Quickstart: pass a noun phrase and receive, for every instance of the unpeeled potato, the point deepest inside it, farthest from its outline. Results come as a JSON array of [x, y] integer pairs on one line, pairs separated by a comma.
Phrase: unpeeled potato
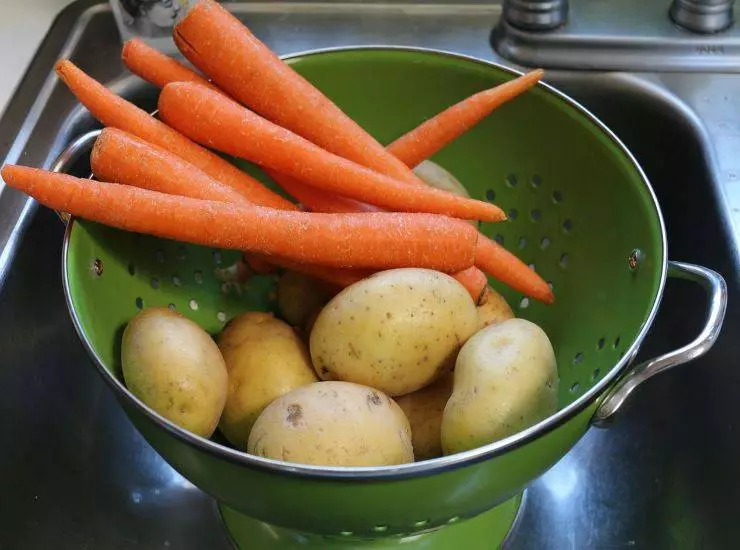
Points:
[[333, 424], [397, 330], [493, 309], [506, 379], [424, 410], [300, 296], [173, 365], [265, 359]]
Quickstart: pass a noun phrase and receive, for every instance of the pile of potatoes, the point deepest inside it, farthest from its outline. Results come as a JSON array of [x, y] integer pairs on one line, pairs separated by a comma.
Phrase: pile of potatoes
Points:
[[398, 367]]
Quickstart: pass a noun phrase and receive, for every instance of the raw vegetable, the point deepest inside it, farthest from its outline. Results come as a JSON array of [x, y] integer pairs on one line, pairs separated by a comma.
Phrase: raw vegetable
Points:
[[397, 330], [333, 424], [119, 157], [174, 367], [433, 174], [495, 260], [375, 240], [114, 111], [424, 410], [218, 122], [218, 44], [506, 380], [264, 360], [492, 309], [299, 296], [156, 67], [431, 136], [474, 281]]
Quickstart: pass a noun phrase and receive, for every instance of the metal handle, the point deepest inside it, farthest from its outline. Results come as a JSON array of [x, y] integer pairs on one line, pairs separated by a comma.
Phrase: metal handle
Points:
[[716, 289], [69, 156]]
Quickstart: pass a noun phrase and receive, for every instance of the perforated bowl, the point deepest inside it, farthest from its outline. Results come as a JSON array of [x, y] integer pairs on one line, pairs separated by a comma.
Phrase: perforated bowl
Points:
[[581, 212]]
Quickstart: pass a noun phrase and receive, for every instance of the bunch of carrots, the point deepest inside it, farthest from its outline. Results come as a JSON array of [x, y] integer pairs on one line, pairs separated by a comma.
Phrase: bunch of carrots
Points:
[[364, 209]]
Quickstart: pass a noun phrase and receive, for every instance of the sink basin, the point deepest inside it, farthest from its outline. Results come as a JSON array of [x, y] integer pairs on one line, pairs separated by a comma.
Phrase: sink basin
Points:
[[78, 474]]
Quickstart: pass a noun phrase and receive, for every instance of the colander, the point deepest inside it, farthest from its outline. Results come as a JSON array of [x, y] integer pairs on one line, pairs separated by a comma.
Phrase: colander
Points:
[[581, 212]]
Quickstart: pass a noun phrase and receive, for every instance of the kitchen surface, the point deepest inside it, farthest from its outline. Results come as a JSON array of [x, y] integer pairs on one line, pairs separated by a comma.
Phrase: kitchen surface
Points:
[[662, 474]]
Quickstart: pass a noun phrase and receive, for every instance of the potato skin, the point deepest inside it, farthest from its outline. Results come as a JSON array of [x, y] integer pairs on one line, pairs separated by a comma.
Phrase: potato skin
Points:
[[173, 365], [493, 309], [397, 330], [265, 359], [300, 296], [506, 380], [333, 424], [424, 410]]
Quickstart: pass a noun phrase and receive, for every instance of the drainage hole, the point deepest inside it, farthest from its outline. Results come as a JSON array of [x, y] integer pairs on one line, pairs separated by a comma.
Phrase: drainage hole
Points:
[[567, 226], [159, 255], [139, 303], [221, 316], [536, 215], [511, 180], [544, 243], [524, 303], [564, 261], [499, 238], [601, 343], [198, 276], [131, 269], [513, 213], [522, 242], [193, 304], [575, 387], [176, 280], [155, 283], [557, 197], [578, 358], [490, 195], [217, 257]]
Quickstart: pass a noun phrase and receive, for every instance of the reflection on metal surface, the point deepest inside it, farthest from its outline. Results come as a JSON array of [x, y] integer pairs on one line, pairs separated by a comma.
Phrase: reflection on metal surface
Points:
[[657, 478], [705, 16], [536, 15]]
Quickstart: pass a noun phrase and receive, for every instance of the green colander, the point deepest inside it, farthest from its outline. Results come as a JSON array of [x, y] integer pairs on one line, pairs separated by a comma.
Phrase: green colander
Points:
[[581, 212]]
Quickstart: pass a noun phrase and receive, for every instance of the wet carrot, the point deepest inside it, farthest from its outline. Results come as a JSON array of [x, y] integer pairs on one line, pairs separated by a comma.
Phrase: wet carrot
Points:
[[219, 44], [156, 67], [115, 111], [501, 264], [216, 121], [119, 157], [432, 135], [372, 240]]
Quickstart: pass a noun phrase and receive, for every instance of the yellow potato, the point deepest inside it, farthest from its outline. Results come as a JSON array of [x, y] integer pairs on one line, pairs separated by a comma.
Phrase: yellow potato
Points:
[[493, 309], [397, 330], [265, 359], [333, 424], [173, 365], [424, 410], [435, 176], [506, 380], [300, 296]]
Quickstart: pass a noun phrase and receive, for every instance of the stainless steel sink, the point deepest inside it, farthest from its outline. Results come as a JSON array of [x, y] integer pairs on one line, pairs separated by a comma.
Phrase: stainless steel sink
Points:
[[74, 472]]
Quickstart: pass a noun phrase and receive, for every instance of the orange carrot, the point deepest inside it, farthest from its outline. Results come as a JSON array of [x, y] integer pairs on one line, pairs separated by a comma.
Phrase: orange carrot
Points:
[[510, 270], [156, 67], [373, 240], [114, 111], [216, 121], [425, 140], [218, 44], [474, 281], [318, 200], [119, 157]]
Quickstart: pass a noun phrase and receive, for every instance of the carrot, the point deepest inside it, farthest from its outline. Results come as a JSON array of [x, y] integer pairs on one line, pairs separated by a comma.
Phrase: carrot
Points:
[[119, 157], [218, 44], [156, 67], [494, 259], [474, 281], [318, 200], [114, 111], [371, 240], [216, 121], [425, 140]]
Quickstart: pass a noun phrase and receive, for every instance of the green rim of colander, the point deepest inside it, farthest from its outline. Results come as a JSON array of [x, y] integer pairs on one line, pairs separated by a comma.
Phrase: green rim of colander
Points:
[[435, 465]]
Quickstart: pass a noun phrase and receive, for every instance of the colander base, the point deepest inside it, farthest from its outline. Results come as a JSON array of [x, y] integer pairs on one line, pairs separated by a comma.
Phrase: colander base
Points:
[[486, 531]]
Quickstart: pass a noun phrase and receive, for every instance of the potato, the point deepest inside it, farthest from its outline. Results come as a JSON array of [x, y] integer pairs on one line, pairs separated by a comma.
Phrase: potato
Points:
[[493, 309], [397, 330], [435, 176], [424, 410], [333, 424], [173, 365], [265, 359], [506, 380], [300, 296]]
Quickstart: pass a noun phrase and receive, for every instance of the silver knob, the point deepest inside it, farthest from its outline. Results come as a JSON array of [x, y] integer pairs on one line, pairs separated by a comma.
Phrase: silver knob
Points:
[[704, 16], [535, 15]]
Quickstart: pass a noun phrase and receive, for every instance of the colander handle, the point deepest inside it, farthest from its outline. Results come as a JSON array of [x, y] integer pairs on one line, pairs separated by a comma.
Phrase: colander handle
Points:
[[70, 155], [716, 289]]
